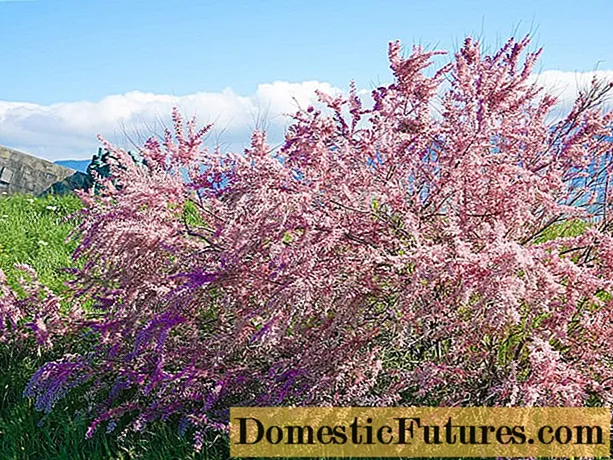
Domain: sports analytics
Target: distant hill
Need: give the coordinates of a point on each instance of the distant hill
(77, 165)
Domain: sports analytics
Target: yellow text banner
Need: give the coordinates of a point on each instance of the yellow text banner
(419, 432)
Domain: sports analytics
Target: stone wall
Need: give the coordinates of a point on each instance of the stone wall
(23, 173)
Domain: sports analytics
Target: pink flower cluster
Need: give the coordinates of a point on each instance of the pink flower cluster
(33, 316)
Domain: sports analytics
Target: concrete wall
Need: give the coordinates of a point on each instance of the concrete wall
(23, 173)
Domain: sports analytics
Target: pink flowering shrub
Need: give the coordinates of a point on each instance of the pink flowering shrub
(415, 252)
(33, 316)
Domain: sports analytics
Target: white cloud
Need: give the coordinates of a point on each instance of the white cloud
(68, 130)
(566, 85)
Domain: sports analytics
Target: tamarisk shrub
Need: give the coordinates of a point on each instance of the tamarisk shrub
(449, 245)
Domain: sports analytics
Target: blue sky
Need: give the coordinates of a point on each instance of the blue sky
(71, 60)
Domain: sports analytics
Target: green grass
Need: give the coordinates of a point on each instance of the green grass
(34, 231)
